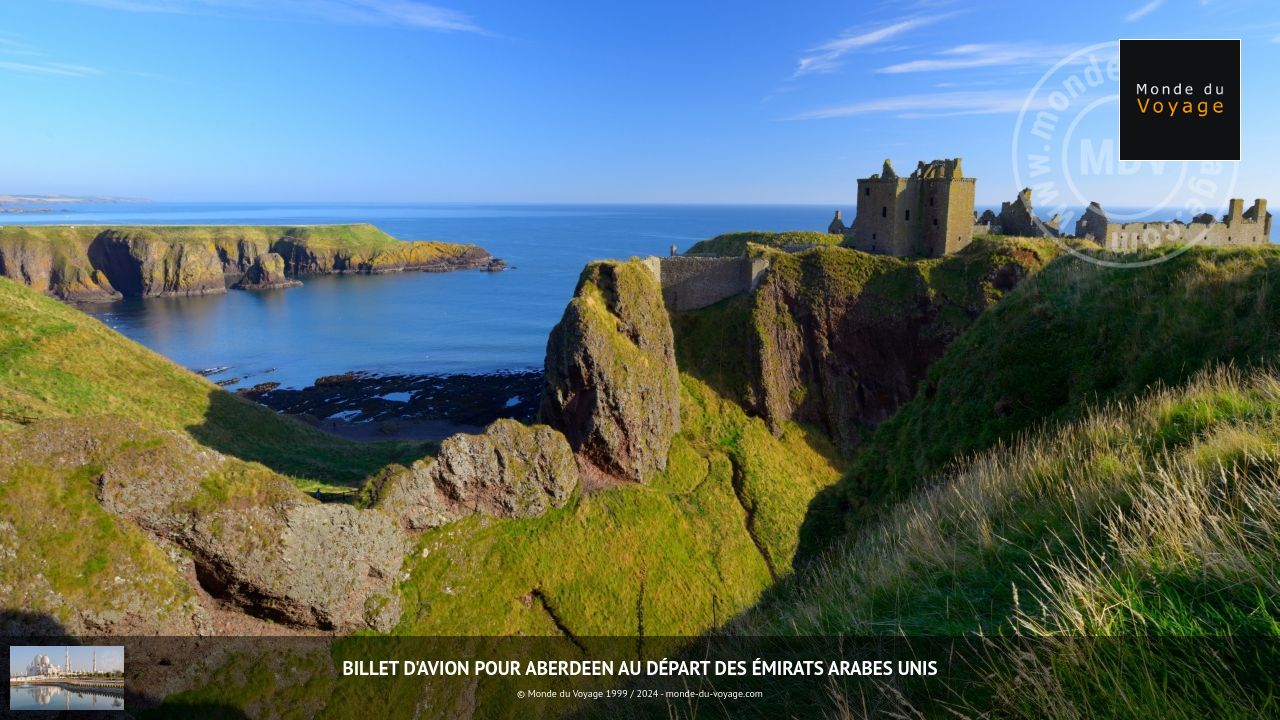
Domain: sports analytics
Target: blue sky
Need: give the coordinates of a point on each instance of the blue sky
(398, 100)
(110, 657)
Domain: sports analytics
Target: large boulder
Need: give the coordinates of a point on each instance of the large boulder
(254, 540)
(612, 386)
(511, 471)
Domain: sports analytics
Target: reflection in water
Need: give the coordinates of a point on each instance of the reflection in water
(57, 697)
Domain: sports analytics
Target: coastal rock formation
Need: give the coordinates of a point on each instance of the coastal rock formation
(89, 264)
(251, 537)
(266, 273)
(841, 340)
(139, 263)
(612, 386)
(511, 470)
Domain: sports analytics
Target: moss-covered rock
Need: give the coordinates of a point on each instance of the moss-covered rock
(250, 535)
(612, 386)
(510, 470)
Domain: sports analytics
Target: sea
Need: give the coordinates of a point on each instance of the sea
(404, 323)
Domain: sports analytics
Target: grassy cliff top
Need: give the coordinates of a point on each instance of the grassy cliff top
(57, 362)
(735, 243)
(362, 237)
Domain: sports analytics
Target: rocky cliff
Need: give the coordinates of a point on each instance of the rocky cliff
(85, 263)
(612, 386)
(840, 339)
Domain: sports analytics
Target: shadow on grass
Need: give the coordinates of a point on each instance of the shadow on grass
(243, 429)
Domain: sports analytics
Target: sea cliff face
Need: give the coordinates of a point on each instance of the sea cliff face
(92, 264)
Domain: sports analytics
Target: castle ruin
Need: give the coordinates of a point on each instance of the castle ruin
(1237, 227)
(928, 214)
(1018, 219)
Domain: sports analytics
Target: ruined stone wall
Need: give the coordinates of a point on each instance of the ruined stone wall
(1238, 227)
(689, 283)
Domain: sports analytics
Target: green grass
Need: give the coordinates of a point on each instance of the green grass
(1073, 336)
(674, 557)
(735, 243)
(1159, 516)
(63, 553)
(58, 362)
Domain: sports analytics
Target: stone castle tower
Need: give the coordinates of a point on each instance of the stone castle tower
(928, 214)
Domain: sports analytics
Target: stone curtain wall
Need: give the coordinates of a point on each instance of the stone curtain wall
(689, 283)
(1238, 227)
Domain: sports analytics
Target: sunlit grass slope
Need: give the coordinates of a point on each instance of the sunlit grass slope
(682, 554)
(57, 362)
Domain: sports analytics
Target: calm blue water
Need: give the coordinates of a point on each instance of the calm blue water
(467, 321)
(56, 697)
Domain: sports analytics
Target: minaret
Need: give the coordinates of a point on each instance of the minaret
(95, 661)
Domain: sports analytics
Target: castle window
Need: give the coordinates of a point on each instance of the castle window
(884, 211)
(931, 204)
(907, 216)
(873, 237)
(867, 191)
(935, 222)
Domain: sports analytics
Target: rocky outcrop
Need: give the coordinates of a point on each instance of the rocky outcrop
(304, 256)
(142, 264)
(89, 264)
(266, 273)
(612, 386)
(254, 540)
(840, 340)
(511, 471)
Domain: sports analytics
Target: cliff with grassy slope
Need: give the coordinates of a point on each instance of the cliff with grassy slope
(1094, 456)
(92, 263)
(735, 243)
(840, 339)
(1009, 419)
(117, 463)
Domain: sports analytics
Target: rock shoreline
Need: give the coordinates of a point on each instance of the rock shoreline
(368, 406)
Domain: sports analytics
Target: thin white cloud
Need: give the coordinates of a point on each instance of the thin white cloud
(49, 68)
(982, 55)
(33, 62)
(399, 13)
(1144, 11)
(927, 105)
(827, 56)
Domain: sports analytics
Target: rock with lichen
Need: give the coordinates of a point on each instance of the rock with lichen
(510, 470)
(266, 273)
(612, 386)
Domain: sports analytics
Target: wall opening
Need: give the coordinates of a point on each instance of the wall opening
(907, 215)
(884, 211)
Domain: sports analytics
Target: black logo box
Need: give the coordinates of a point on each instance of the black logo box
(1179, 63)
